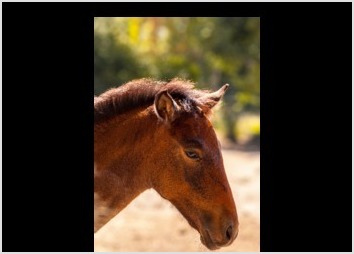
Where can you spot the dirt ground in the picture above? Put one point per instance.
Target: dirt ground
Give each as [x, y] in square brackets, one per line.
[151, 223]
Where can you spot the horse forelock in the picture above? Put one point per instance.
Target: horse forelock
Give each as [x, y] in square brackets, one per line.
[141, 93]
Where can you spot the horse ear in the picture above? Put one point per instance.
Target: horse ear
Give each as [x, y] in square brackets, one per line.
[165, 107]
[211, 99]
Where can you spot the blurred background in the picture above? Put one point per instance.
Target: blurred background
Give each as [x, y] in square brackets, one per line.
[210, 52]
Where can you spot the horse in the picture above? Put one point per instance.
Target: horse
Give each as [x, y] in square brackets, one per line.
[158, 134]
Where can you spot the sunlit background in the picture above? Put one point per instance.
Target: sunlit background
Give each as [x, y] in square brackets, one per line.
[210, 52]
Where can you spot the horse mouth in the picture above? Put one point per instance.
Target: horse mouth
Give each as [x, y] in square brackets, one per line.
[206, 239]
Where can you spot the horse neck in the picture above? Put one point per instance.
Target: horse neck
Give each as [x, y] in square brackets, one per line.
[121, 168]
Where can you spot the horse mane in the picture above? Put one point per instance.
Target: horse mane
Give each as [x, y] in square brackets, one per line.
[141, 93]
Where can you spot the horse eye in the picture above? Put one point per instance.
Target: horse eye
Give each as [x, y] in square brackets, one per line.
[192, 155]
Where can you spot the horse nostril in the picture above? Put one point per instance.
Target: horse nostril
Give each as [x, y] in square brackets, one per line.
[229, 232]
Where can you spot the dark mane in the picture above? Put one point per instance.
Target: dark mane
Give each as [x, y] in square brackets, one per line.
[141, 93]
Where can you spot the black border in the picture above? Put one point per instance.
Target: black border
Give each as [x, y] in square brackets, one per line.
[305, 121]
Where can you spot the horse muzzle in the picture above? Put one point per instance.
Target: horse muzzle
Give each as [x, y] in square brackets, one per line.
[216, 239]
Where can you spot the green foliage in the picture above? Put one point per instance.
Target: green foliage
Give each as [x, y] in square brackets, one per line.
[247, 128]
[114, 63]
[209, 51]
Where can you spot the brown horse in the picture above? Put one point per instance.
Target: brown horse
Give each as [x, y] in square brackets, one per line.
[154, 134]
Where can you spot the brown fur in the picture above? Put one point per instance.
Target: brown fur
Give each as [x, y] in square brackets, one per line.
[137, 148]
[140, 93]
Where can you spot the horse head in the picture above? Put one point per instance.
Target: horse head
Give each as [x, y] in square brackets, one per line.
[191, 172]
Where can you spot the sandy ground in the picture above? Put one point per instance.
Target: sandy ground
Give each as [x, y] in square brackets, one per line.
[151, 223]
